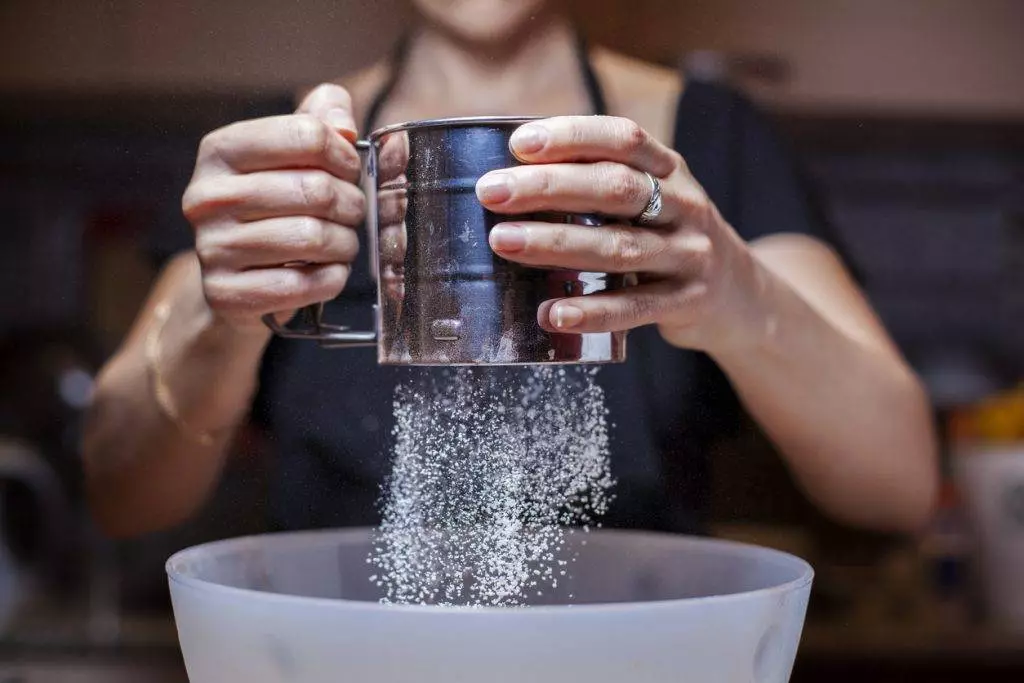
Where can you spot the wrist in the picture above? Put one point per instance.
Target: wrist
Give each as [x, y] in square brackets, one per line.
[748, 320]
[194, 321]
[195, 324]
[203, 369]
[218, 334]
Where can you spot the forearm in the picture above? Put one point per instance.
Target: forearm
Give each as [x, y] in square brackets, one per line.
[848, 415]
[145, 471]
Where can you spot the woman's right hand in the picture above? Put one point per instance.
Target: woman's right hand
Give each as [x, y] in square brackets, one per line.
[275, 206]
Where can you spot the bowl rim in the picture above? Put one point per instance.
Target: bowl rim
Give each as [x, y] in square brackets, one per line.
[176, 575]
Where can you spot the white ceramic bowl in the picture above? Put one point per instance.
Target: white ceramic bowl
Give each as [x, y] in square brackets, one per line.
[645, 608]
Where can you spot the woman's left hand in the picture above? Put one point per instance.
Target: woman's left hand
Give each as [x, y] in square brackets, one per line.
[697, 279]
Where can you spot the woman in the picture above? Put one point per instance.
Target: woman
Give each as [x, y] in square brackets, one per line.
[733, 267]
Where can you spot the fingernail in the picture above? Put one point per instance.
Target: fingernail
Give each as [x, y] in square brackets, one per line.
[508, 237]
[567, 317]
[340, 119]
[529, 139]
[494, 188]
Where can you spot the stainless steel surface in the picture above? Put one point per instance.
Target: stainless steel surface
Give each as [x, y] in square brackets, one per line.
[444, 298]
[514, 121]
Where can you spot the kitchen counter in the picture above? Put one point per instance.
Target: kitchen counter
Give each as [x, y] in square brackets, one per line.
[91, 668]
[837, 653]
[48, 645]
[902, 643]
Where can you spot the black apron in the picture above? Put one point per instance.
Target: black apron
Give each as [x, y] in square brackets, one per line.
[329, 413]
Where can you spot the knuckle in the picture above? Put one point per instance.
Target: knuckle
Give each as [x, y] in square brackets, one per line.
[326, 282]
[220, 294]
[211, 146]
[576, 133]
[690, 240]
[541, 181]
[309, 235]
[608, 316]
[309, 135]
[317, 189]
[199, 198]
[358, 205]
[691, 201]
[601, 317]
[559, 242]
[678, 161]
[210, 252]
[627, 251]
[644, 307]
[190, 203]
[287, 283]
[335, 278]
[330, 93]
[623, 188]
[349, 242]
[296, 286]
[634, 137]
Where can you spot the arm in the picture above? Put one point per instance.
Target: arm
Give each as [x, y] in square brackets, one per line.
[274, 206]
[830, 389]
[781, 316]
[143, 471]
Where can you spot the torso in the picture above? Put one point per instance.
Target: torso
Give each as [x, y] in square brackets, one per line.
[330, 412]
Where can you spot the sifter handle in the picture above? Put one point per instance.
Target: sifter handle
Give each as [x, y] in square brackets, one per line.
[311, 325]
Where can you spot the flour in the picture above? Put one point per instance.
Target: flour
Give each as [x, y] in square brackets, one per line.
[491, 465]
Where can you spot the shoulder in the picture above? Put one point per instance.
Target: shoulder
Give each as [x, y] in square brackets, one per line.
[634, 77]
[647, 93]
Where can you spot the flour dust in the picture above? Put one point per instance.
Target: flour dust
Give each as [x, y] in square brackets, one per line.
[492, 467]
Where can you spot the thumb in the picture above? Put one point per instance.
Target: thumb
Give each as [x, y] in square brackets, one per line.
[331, 104]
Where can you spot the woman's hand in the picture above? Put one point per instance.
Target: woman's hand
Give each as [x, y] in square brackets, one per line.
[275, 205]
[697, 280]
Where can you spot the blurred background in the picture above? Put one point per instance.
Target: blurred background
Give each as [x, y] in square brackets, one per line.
[909, 115]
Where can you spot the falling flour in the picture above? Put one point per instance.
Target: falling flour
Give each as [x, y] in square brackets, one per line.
[491, 467]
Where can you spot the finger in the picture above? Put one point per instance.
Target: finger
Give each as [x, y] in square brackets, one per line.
[281, 142]
[269, 290]
[393, 158]
[276, 241]
[608, 188]
[593, 138]
[605, 249]
[623, 309]
[392, 236]
[332, 104]
[393, 244]
[273, 194]
[392, 204]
